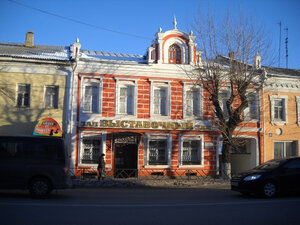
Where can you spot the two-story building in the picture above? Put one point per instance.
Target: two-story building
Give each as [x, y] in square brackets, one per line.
[147, 115]
[281, 108]
[32, 88]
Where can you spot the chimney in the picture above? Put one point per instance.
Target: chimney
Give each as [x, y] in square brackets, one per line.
[29, 39]
[231, 55]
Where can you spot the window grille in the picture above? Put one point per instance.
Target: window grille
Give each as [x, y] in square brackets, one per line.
[91, 151]
[157, 152]
[191, 152]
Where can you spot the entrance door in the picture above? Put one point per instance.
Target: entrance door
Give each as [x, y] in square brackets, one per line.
[125, 160]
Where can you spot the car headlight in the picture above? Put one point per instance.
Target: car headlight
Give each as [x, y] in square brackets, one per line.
[252, 177]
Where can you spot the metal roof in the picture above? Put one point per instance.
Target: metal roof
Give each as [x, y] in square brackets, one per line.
[36, 52]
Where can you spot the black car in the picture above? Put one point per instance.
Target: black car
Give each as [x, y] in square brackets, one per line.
[269, 179]
[38, 164]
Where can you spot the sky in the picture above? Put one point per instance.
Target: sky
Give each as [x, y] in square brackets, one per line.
[129, 26]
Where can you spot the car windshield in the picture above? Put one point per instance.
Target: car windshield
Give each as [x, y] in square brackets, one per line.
[270, 165]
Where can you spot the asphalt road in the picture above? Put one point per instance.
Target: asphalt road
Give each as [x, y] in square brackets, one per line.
[145, 206]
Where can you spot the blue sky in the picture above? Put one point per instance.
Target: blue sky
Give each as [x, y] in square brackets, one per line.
[140, 18]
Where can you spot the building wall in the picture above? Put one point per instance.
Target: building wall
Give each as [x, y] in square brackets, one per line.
[89, 124]
[21, 121]
[285, 132]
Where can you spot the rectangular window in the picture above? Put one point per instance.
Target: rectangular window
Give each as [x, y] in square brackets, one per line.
[191, 152]
[223, 97]
[278, 109]
[298, 109]
[252, 112]
[160, 101]
[126, 100]
[91, 99]
[51, 97]
[23, 95]
[158, 152]
[193, 103]
[90, 150]
[285, 149]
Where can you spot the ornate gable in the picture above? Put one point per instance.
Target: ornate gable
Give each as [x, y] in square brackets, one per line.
[174, 47]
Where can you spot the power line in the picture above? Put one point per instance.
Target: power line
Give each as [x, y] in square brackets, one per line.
[78, 21]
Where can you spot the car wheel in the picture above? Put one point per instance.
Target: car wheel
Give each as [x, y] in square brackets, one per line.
[269, 189]
[39, 187]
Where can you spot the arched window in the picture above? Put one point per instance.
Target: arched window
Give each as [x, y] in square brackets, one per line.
[174, 54]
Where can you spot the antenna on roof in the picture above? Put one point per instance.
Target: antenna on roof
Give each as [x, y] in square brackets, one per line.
[279, 51]
[286, 47]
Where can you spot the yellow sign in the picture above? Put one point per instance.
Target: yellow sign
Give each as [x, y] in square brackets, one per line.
[144, 125]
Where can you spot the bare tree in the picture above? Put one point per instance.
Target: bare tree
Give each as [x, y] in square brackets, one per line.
[237, 75]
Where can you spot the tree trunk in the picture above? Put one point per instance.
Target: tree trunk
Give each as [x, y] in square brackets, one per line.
[226, 161]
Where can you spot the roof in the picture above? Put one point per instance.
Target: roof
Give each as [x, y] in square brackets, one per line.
[282, 72]
[273, 71]
[36, 52]
[106, 56]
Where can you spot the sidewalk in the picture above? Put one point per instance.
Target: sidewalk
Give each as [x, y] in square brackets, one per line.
[152, 183]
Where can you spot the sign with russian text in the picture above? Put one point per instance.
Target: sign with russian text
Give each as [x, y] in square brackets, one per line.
[130, 124]
[47, 127]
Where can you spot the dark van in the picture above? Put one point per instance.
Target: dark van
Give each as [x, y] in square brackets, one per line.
[38, 164]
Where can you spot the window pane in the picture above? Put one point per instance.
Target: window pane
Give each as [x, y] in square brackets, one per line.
[163, 103]
[130, 94]
[51, 97]
[189, 103]
[23, 95]
[196, 102]
[278, 109]
[156, 101]
[278, 149]
[291, 148]
[90, 100]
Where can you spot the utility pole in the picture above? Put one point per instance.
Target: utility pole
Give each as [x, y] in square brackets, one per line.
[286, 47]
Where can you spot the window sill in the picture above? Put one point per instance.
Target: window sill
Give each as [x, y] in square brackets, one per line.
[278, 123]
[193, 117]
[190, 166]
[156, 166]
[159, 117]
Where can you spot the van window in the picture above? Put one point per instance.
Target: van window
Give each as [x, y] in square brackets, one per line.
[32, 148]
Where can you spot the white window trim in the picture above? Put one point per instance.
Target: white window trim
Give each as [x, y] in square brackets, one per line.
[298, 109]
[17, 92]
[186, 88]
[158, 136]
[160, 84]
[192, 137]
[247, 110]
[285, 110]
[85, 134]
[45, 88]
[90, 81]
[126, 83]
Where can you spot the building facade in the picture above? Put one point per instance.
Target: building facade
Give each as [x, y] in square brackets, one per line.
[282, 113]
[32, 86]
[147, 115]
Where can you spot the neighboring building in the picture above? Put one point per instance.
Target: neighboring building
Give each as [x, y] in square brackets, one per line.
[32, 86]
[282, 113]
[146, 114]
